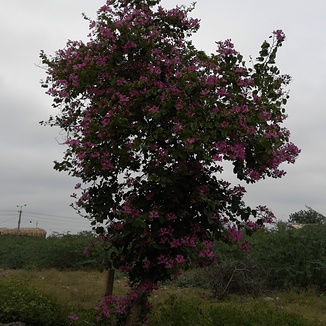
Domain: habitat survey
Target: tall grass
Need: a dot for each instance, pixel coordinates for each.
(293, 271)
(80, 291)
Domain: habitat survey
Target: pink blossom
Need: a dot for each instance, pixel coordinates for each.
(189, 241)
(169, 264)
(153, 214)
(244, 246)
(95, 154)
(222, 92)
(208, 244)
(161, 259)
(128, 209)
(165, 231)
(236, 235)
(106, 164)
(190, 140)
(177, 127)
(164, 152)
(280, 36)
(146, 264)
(73, 317)
(224, 124)
(255, 175)
(226, 48)
(153, 109)
(77, 186)
(206, 253)
(180, 259)
(171, 216)
(203, 190)
(175, 243)
(204, 92)
(217, 157)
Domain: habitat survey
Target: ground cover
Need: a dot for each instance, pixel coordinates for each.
(80, 291)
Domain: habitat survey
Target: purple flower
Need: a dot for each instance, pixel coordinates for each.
(280, 36)
(73, 317)
(153, 214)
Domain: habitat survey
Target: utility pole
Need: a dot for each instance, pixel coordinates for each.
(20, 217)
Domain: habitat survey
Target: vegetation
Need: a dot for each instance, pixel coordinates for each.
(21, 303)
(184, 312)
(61, 251)
(293, 270)
(79, 292)
(308, 216)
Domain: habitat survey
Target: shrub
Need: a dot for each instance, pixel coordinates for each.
(20, 303)
(19, 252)
(61, 251)
(293, 259)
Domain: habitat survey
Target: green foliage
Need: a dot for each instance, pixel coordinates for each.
(259, 313)
(59, 251)
(18, 252)
(20, 303)
(308, 216)
(179, 312)
(293, 258)
(176, 312)
(282, 259)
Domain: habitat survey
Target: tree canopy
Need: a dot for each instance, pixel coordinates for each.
(149, 121)
(307, 216)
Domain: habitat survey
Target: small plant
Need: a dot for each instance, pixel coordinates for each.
(20, 303)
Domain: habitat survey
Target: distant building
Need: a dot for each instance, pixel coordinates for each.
(32, 232)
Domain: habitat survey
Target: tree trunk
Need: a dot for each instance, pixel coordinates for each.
(109, 283)
(139, 307)
(136, 308)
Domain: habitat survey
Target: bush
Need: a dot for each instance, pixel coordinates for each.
(20, 303)
(62, 251)
(284, 259)
(293, 259)
(19, 252)
(236, 273)
(66, 252)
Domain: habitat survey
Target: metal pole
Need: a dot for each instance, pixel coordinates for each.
(19, 218)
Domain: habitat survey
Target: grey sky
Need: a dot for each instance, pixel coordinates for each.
(28, 150)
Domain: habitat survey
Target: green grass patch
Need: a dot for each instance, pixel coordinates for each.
(80, 291)
(21, 303)
(178, 311)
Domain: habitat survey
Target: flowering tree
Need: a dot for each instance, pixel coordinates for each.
(149, 120)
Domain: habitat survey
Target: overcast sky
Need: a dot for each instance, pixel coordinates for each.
(28, 149)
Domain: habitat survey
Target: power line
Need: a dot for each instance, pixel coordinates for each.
(35, 213)
(50, 215)
(8, 220)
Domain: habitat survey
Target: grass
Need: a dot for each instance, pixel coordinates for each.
(80, 290)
